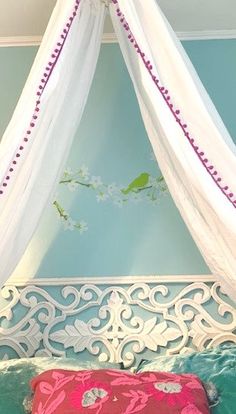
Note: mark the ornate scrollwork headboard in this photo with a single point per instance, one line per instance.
(114, 319)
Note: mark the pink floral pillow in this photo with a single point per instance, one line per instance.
(117, 392)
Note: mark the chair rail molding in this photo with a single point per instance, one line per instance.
(111, 37)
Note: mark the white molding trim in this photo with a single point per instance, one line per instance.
(109, 280)
(109, 38)
(20, 41)
(191, 35)
(15, 41)
(207, 34)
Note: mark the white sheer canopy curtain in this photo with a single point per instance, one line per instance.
(192, 146)
(37, 141)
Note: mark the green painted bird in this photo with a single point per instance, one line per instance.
(138, 183)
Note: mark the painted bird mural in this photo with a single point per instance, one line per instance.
(137, 184)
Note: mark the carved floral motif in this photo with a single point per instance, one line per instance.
(114, 322)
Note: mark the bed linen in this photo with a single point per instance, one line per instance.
(15, 376)
(216, 366)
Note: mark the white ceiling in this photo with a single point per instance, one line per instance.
(30, 17)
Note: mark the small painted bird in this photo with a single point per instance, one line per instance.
(138, 183)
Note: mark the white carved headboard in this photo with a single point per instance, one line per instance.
(114, 319)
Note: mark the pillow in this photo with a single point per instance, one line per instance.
(15, 375)
(105, 391)
(217, 366)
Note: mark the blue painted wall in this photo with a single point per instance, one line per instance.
(215, 62)
(121, 238)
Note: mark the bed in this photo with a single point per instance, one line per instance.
(172, 324)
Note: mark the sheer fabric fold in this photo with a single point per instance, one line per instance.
(37, 141)
(192, 146)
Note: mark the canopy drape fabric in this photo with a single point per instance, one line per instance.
(37, 141)
(192, 146)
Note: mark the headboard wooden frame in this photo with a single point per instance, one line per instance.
(116, 319)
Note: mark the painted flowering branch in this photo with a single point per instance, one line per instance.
(143, 188)
(67, 221)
